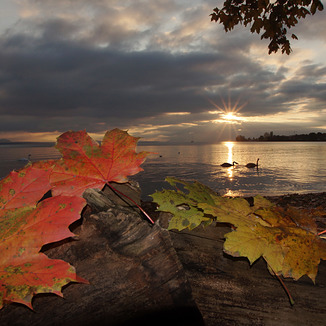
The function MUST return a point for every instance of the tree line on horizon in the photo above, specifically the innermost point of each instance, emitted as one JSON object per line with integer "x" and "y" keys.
{"x": 269, "y": 136}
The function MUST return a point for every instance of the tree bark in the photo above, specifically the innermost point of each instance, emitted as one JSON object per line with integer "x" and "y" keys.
{"x": 228, "y": 291}
{"x": 134, "y": 273}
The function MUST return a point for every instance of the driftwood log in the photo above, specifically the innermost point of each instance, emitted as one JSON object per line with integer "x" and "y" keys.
{"x": 141, "y": 274}
{"x": 134, "y": 273}
{"x": 228, "y": 291}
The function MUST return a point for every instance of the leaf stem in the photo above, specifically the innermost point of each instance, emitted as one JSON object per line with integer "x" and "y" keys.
{"x": 322, "y": 232}
{"x": 282, "y": 283}
{"x": 141, "y": 209}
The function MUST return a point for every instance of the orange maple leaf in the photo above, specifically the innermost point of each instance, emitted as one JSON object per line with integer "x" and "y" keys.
{"x": 25, "y": 226}
{"x": 86, "y": 164}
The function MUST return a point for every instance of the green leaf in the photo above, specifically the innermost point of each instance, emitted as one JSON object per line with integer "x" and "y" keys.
{"x": 286, "y": 238}
{"x": 184, "y": 206}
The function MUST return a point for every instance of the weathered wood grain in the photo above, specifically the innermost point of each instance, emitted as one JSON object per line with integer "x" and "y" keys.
{"x": 228, "y": 291}
{"x": 141, "y": 274}
{"x": 134, "y": 273}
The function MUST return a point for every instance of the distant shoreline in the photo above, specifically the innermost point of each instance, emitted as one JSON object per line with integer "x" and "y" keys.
{"x": 278, "y": 141}
{"x": 153, "y": 143}
{"x": 31, "y": 143}
{"x": 313, "y": 136}
{"x": 51, "y": 144}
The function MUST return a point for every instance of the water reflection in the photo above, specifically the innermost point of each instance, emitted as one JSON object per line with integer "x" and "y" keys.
{"x": 232, "y": 193}
{"x": 283, "y": 167}
{"x": 276, "y": 175}
{"x": 229, "y": 171}
{"x": 229, "y": 145}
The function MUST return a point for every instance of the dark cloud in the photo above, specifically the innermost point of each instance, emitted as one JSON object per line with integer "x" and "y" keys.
{"x": 309, "y": 83}
{"x": 50, "y": 77}
{"x": 94, "y": 69}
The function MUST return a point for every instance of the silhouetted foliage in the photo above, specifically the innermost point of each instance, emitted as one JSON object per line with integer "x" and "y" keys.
{"x": 271, "y": 137}
{"x": 272, "y": 19}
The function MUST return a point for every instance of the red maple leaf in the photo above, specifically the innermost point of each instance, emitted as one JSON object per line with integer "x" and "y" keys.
{"x": 86, "y": 164}
{"x": 23, "y": 188}
{"x": 25, "y": 226}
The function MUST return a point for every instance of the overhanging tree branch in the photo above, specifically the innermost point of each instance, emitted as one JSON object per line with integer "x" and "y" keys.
{"x": 270, "y": 19}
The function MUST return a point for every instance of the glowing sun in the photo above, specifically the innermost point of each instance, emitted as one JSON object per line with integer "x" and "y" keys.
{"x": 228, "y": 113}
{"x": 230, "y": 117}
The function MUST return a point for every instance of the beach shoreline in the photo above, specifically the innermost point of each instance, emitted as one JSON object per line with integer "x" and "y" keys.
{"x": 305, "y": 200}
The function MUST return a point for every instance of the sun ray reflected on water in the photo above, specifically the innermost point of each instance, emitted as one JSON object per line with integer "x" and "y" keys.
{"x": 230, "y": 145}
{"x": 305, "y": 172}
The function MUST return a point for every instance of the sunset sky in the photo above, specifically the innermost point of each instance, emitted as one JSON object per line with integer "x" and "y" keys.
{"x": 160, "y": 69}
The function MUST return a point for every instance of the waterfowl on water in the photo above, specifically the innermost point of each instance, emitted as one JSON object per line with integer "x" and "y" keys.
{"x": 24, "y": 159}
{"x": 226, "y": 165}
{"x": 252, "y": 165}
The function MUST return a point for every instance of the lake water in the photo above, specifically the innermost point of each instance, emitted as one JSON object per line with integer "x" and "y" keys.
{"x": 284, "y": 167}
